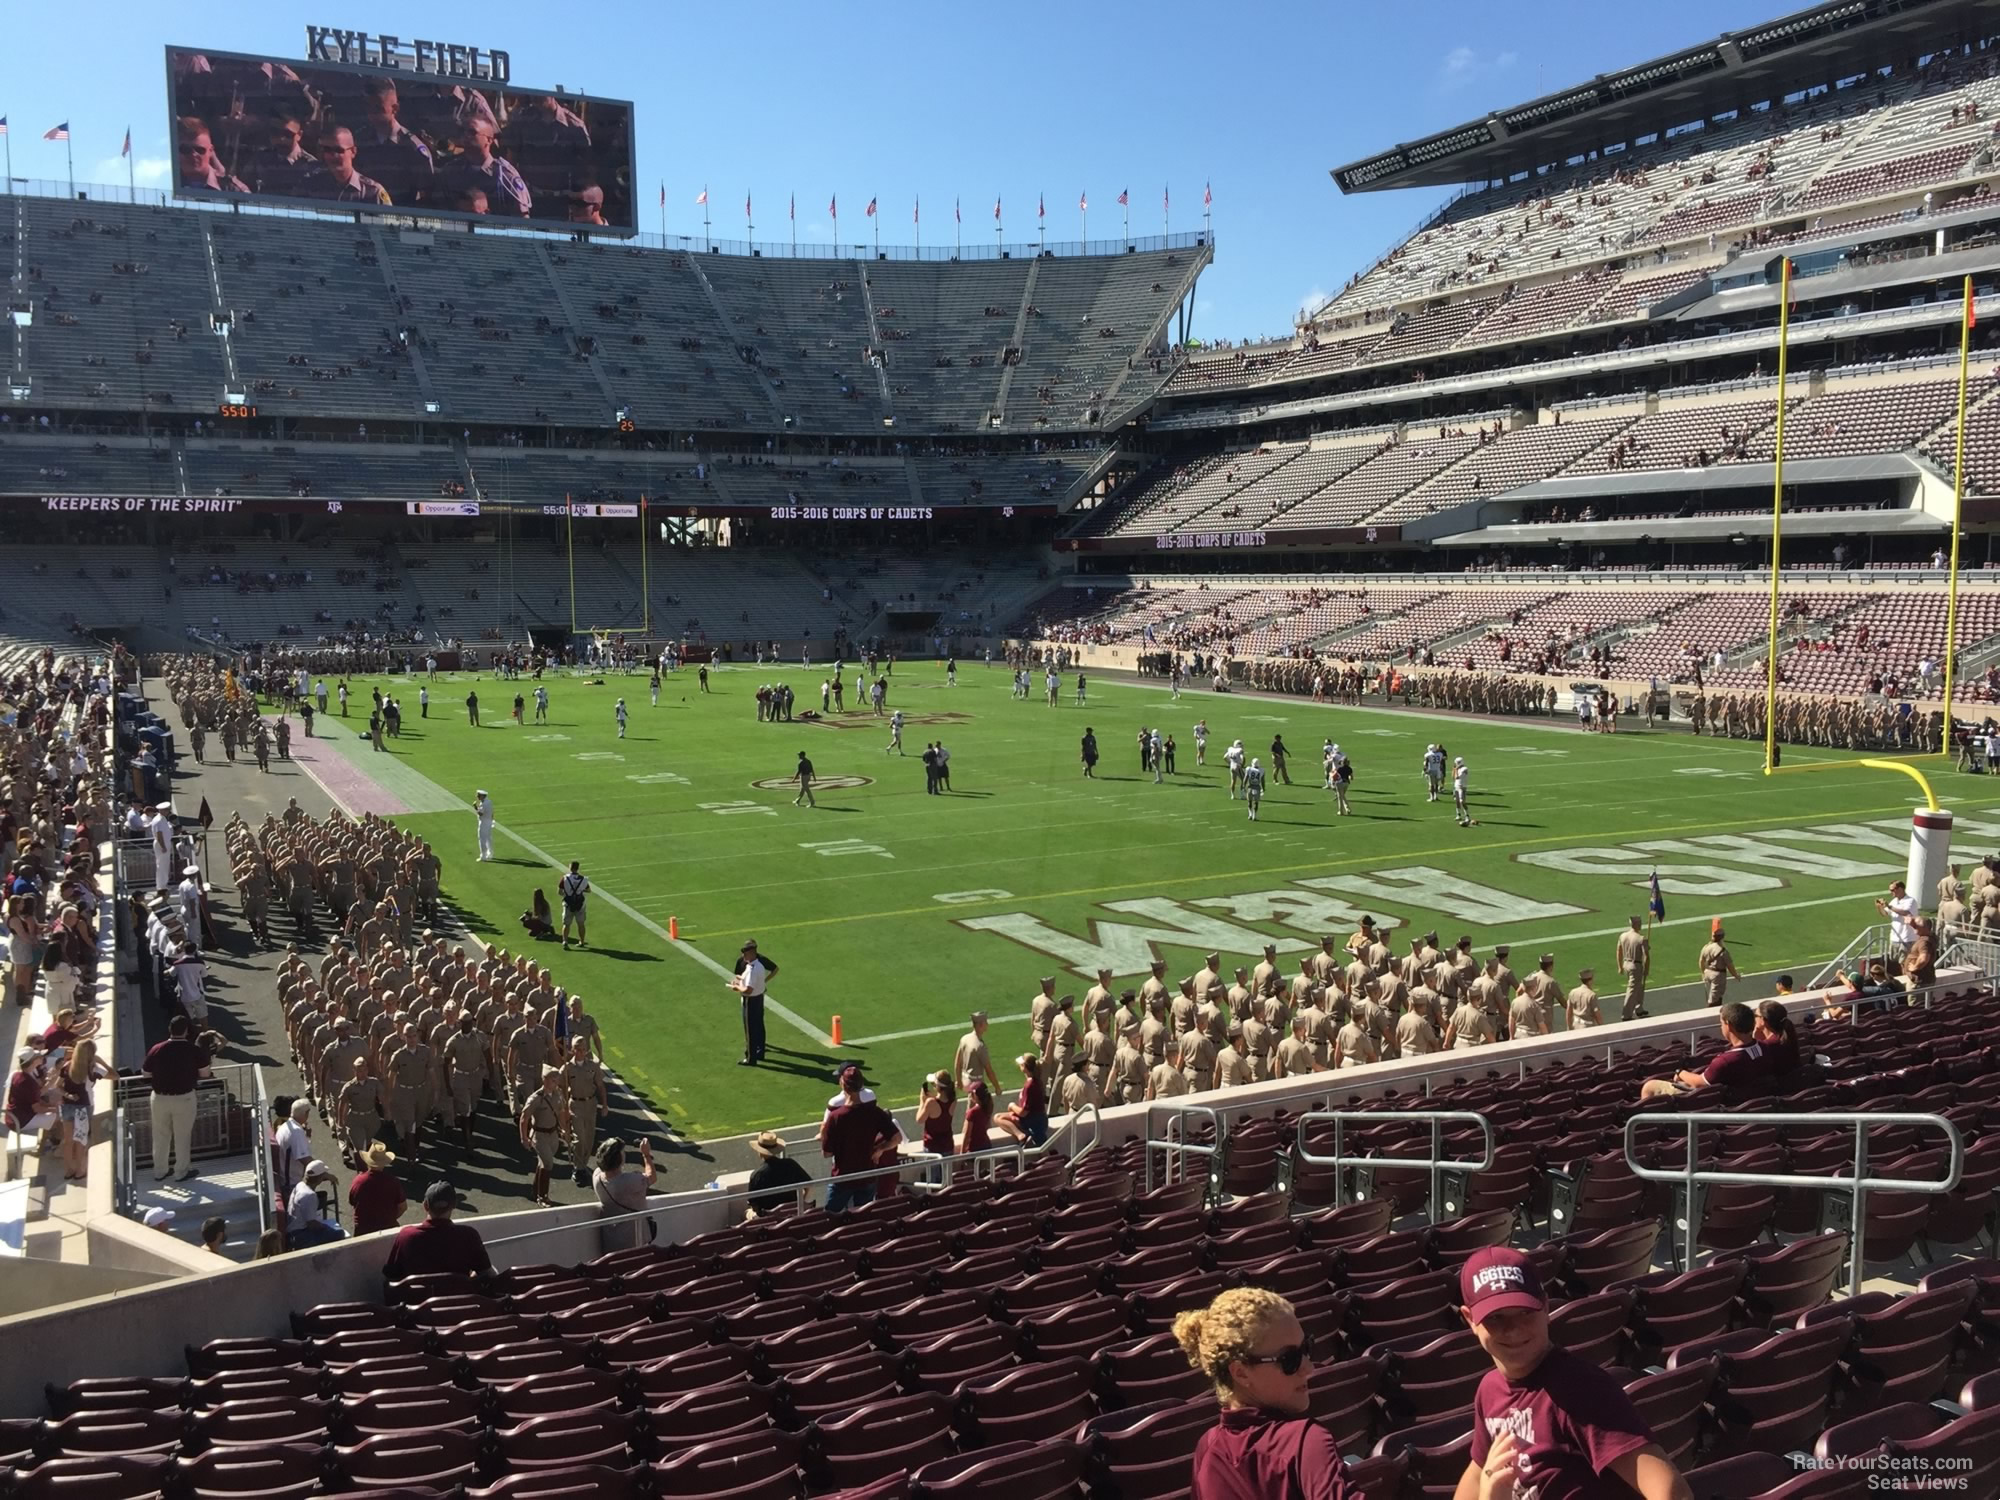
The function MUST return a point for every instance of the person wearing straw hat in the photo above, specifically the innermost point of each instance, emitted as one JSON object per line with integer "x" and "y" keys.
{"x": 776, "y": 1181}
{"x": 375, "y": 1196}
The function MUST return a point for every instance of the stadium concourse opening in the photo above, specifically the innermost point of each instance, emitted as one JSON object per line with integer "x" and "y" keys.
{"x": 447, "y": 752}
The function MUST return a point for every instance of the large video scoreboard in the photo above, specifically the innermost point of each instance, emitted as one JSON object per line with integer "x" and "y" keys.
{"x": 382, "y": 136}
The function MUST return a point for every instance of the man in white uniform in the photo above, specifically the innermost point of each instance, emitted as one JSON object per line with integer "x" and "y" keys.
{"x": 1233, "y": 758}
{"x": 895, "y": 733}
{"x": 161, "y": 828}
{"x": 1460, "y": 784}
{"x": 1253, "y": 787}
{"x": 1201, "y": 742}
{"x": 618, "y": 712}
{"x": 483, "y": 806}
{"x": 1434, "y": 771}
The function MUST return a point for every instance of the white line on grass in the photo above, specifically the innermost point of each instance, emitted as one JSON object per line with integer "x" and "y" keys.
{"x": 662, "y": 934}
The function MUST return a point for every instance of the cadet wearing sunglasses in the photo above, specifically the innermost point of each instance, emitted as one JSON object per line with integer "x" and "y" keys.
{"x": 1249, "y": 1342}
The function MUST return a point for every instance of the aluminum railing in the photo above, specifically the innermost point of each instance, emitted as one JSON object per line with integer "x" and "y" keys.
{"x": 1858, "y": 1184}
{"x": 1173, "y": 1142}
{"x": 918, "y": 1162}
{"x": 1871, "y": 943}
{"x": 1437, "y": 1162}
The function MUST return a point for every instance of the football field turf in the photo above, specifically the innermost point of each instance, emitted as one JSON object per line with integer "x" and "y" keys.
{"x": 900, "y": 912}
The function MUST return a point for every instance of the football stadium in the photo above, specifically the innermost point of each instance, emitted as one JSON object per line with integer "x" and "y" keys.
{"x": 661, "y": 866}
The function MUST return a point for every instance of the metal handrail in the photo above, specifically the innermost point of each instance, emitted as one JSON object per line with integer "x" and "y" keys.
{"x": 1859, "y": 1184}
{"x": 1070, "y": 1163}
{"x": 1871, "y": 942}
{"x": 1437, "y": 1162}
{"x": 1181, "y": 1147}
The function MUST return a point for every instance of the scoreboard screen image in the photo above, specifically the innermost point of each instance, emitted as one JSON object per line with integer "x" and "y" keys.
{"x": 265, "y": 129}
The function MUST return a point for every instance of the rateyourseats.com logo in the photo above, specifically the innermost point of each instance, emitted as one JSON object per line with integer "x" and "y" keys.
{"x": 1890, "y": 1473}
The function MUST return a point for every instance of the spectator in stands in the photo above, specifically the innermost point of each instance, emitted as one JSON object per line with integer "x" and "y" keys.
{"x": 1919, "y": 969}
{"x": 476, "y": 167}
{"x": 214, "y": 1233}
{"x": 1542, "y": 1405}
{"x": 1778, "y": 1037}
{"x": 776, "y": 1182}
{"x": 29, "y": 1110}
{"x": 291, "y": 1146}
{"x": 1028, "y": 1118}
{"x": 1266, "y": 1447}
{"x": 437, "y": 1245}
{"x": 856, "y": 1135}
{"x": 375, "y": 1196}
{"x": 623, "y": 1190}
{"x": 24, "y": 947}
{"x": 309, "y": 1210}
{"x": 80, "y": 1071}
{"x": 934, "y": 1113}
{"x": 1741, "y": 1065}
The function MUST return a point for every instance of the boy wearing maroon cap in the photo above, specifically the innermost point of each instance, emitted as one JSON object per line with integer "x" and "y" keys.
{"x": 1547, "y": 1425}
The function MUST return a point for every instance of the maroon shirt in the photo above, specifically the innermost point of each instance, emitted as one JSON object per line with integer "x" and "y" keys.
{"x": 1743, "y": 1068}
{"x": 1260, "y": 1455}
{"x": 24, "y": 1092}
{"x": 1571, "y": 1423}
{"x": 429, "y": 1247}
{"x": 850, "y": 1132}
{"x": 175, "y": 1066}
{"x": 377, "y": 1200}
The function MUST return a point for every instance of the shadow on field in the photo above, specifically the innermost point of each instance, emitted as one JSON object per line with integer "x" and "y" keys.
{"x": 623, "y": 955}
{"x": 820, "y": 1065}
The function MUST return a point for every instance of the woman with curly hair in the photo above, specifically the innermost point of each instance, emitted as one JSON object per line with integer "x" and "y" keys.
{"x": 1249, "y": 1342}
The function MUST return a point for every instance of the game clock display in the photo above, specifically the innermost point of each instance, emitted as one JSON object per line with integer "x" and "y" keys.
{"x": 234, "y": 409}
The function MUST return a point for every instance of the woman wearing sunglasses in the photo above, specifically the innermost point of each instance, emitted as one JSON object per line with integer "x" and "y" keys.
{"x": 1248, "y": 1341}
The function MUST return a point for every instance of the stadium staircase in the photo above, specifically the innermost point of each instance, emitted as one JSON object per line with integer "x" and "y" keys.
{"x": 1114, "y": 416}
{"x": 1017, "y": 340}
{"x": 880, "y": 365}
{"x": 426, "y": 387}
{"x": 574, "y": 324}
{"x": 1320, "y": 645}
{"x": 220, "y": 307}
{"x": 737, "y": 342}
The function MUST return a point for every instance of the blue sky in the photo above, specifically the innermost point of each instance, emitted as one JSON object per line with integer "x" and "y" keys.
{"x": 896, "y": 100}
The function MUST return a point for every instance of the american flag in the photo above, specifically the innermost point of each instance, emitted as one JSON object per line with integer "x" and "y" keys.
{"x": 3, "y": 124}
{"x": 701, "y": 198}
{"x": 127, "y": 151}
{"x": 59, "y": 133}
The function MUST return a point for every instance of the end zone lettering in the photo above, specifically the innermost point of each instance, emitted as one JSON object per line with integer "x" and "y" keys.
{"x": 185, "y": 504}
{"x": 1177, "y": 539}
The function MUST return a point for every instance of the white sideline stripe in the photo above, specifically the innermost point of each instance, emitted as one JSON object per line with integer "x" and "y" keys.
{"x": 898, "y": 1036}
{"x": 661, "y": 933}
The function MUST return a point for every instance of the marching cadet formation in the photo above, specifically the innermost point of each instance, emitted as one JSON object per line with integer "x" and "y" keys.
{"x": 369, "y": 874}
{"x": 1349, "y": 1005}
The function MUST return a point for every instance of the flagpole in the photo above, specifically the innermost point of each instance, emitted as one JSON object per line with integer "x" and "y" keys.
{"x": 569, "y": 522}
{"x": 645, "y": 586}
{"x": 876, "y": 219}
{"x": 1777, "y": 521}
{"x": 1128, "y": 218}
{"x": 131, "y": 186}
{"x": 707, "y": 241}
{"x": 8, "y": 137}
{"x": 1166, "y": 210}
{"x": 1083, "y": 219}
{"x": 69, "y": 155}
{"x": 663, "y": 214}
{"x": 917, "y": 225}
{"x": 795, "y": 226}
{"x": 1957, "y": 510}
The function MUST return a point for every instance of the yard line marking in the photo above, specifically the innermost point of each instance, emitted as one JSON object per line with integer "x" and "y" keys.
{"x": 661, "y": 933}
{"x": 900, "y": 1036}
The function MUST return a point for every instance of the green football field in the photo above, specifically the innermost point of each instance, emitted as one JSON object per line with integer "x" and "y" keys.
{"x": 899, "y": 912}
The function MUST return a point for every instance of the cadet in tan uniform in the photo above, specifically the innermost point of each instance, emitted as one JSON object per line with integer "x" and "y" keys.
{"x": 1041, "y": 1014}
{"x": 1528, "y": 1016}
{"x": 1198, "y": 1061}
{"x": 1295, "y": 1053}
{"x": 1097, "y": 1047}
{"x": 1635, "y": 961}
{"x": 1326, "y": 962}
{"x": 1504, "y": 977}
{"x": 972, "y": 1063}
{"x": 1355, "y": 1044}
{"x": 1416, "y": 1033}
{"x": 336, "y": 1063}
{"x": 1257, "y": 1044}
{"x": 529, "y": 1054}
{"x": 541, "y": 1129}
{"x": 1126, "y": 1082}
{"x": 1319, "y": 1029}
{"x": 465, "y": 1067}
{"x": 1185, "y": 1009}
{"x": 1717, "y": 968}
{"x": 1469, "y": 1027}
{"x": 1063, "y": 1038}
{"x": 1582, "y": 1002}
{"x": 409, "y": 1069}
{"x": 1156, "y": 984}
{"x": 1232, "y": 1063}
{"x": 583, "y": 1082}
{"x": 1304, "y": 985}
{"x": 1484, "y": 992}
{"x": 1155, "y": 1035}
{"x": 1265, "y": 970}
{"x": 1240, "y": 996}
{"x": 1098, "y": 996}
{"x": 1209, "y": 973}
{"x": 1166, "y": 1080}
{"x": 360, "y": 1112}
{"x": 1077, "y": 1088}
